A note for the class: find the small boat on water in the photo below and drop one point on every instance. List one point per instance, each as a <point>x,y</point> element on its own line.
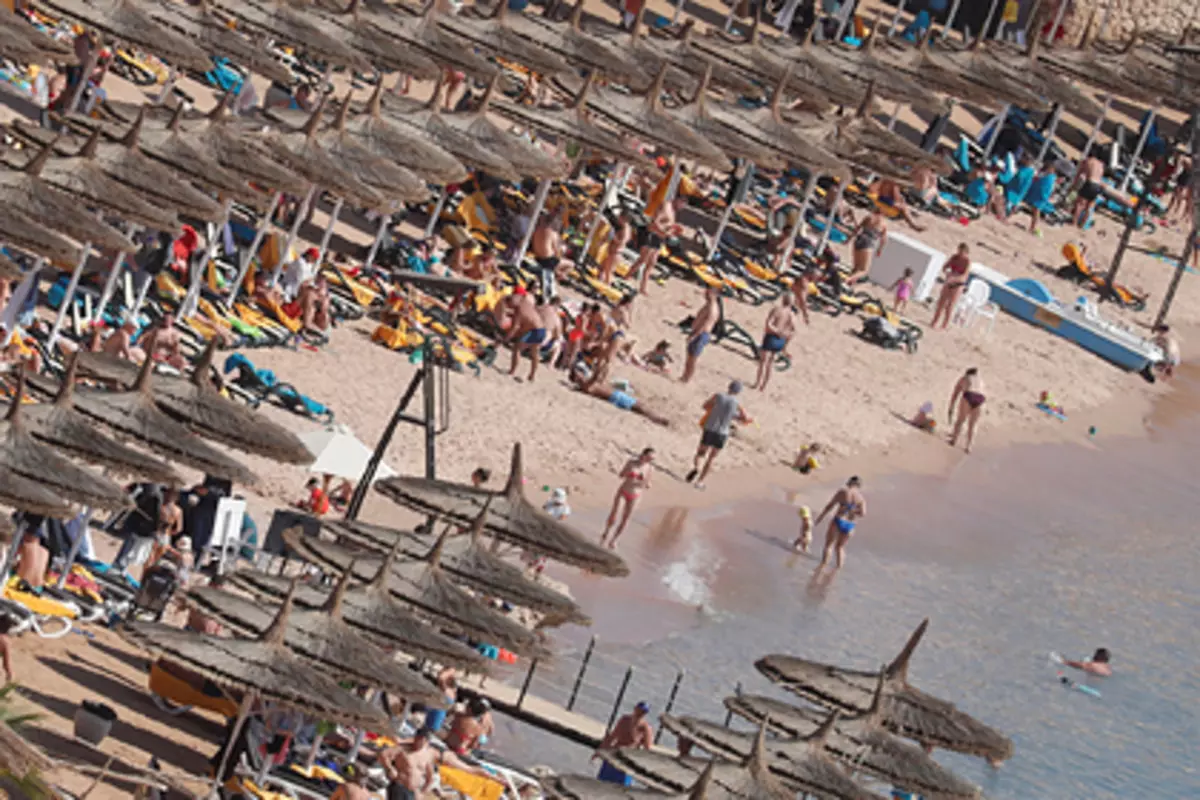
<point>1080,322</point>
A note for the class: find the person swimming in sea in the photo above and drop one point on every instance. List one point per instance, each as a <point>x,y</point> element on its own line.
<point>1098,665</point>
<point>851,506</point>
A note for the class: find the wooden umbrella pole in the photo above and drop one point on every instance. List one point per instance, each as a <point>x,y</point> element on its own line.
<point>539,201</point>
<point>374,251</point>
<point>1137,151</point>
<point>325,237</point>
<point>294,233</point>
<point>1190,247</point>
<point>250,253</point>
<point>829,223</point>
<point>67,297</point>
<point>188,307</point>
<point>227,753</point>
<point>431,226</point>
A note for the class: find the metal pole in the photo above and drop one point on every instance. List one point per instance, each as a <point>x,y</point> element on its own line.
<point>1137,151</point>
<point>673,186</point>
<point>1001,121</point>
<point>368,476</point>
<point>110,285</point>
<point>528,680</point>
<point>141,296</point>
<point>847,10</point>
<point>670,702</point>
<point>611,186</point>
<point>188,306</point>
<point>1091,140</point>
<point>723,223</point>
<point>1058,18</point>
<point>374,251</point>
<point>1135,214</point>
<point>83,518</point>
<point>16,299</point>
<point>361,735</point>
<point>249,255</point>
<point>809,189</point>
<point>429,392</point>
<point>583,665</point>
<point>539,201</point>
<point>678,11</point>
<point>837,202</point>
<point>896,17</point>
<point>67,297</point>
<point>988,22</point>
<point>239,723</point>
<point>301,213</point>
<point>612,717</point>
<point>333,218</point>
<point>1049,134</point>
<point>431,226</point>
<point>949,26</point>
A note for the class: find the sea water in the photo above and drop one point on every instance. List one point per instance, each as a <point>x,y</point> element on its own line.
<point>1016,553</point>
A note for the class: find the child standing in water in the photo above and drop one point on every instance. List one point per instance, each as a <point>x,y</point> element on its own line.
<point>806,528</point>
<point>903,290</point>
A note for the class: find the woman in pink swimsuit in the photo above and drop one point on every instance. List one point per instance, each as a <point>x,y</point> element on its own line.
<point>635,478</point>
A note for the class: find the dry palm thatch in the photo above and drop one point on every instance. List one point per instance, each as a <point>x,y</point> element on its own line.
<point>579,48</point>
<point>382,51</point>
<point>403,144</point>
<point>1104,72</point>
<point>422,33</point>
<point>264,666</point>
<point>124,163</point>
<point>510,517</point>
<point>424,586</point>
<point>134,413</point>
<point>26,193</point>
<point>859,742</point>
<point>82,178</point>
<point>499,34</point>
<point>372,610</point>
<point>290,22</point>
<point>1034,73</point>
<point>31,46</point>
<point>393,183</point>
<point>26,233</point>
<point>130,21</point>
<point>29,458</point>
<point>750,779</point>
<point>865,66</point>
<point>643,116</point>
<point>818,68</point>
<point>904,708</point>
<point>579,787</point>
<point>323,637</point>
<point>58,424</point>
<point>978,65</point>
<point>18,757</point>
<point>9,271</point>
<point>940,74</point>
<point>26,495</point>
<point>198,24</point>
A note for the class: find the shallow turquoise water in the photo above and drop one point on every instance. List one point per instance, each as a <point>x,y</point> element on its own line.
<point>1018,553</point>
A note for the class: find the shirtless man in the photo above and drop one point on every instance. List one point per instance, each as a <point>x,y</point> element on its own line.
<point>631,730</point>
<point>483,265</point>
<point>651,241</point>
<point>1098,665</point>
<point>547,252</point>
<point>780,327</point>
<point>701,333</point>
<point>851,507</point>
<point>891,195</point>
<point>1090,183</point>
<point>520,314</point>
<point>925,182</point>
<point>410,767</point>
<point>164,343</point>
<point>355,786</point>
<point>532,332</point>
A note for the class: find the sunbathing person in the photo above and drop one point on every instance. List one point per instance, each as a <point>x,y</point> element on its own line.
<point>925,184</point>
<point>164,343</point>
<point>618,396</point>
<point>314,305</point>
<point>889,193</point>
<point>120,343</point>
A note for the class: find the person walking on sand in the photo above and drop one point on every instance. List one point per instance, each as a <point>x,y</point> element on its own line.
<point>651,240</point>
<point>955,274</point>
<point>1090,183</point>
<point>544,328</point>
<point>968,399</point>
<point>701,332</point>
<point>547,252</point>
<point>851,506</point>
<point>631,730</point>
<point>720,411</point>
<point>635,478</point>
<point>777,334</point>
<point>867,243</point>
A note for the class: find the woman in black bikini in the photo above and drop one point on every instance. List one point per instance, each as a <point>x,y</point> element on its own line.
<point>968,399</point>
<point>869,238</point>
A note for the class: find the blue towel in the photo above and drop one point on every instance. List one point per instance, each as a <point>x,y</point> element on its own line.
<point>1016,189</point>
<point>977,193</point>
<point>1041,191</point>
<point>962,155</point>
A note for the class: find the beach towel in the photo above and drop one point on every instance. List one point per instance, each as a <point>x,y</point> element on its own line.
<point>1041,191</point>
<point>1016,189</point>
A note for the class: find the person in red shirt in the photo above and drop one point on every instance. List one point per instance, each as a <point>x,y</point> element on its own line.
<point>954,276</point>
<point>317,501</point>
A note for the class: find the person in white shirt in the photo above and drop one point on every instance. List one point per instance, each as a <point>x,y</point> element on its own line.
<point>298,272</point>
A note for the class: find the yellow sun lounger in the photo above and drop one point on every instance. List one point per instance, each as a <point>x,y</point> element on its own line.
<point>472,786</point>
<point>176,695</point>
<point>37,604</point>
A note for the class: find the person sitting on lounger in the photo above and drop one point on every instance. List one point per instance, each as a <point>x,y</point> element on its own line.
<point>164,343</point>
<point>889,193</point>
<point>619,395</point>
<point>314,305</point>
<point>1038,198</point>
<point>120,342</point>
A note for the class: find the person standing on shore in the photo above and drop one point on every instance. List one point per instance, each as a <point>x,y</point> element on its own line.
<point>635,478</point>
<point>720,411</point>
<point>851,506</point>
<point>777,334</point>
<point>968,399</point>
<point>955,274</point>
<point>631,730</point>
<point>701,333</point>
<point>410,767</point>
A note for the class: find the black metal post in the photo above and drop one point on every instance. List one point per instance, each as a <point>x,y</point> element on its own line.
<point>737,690</point>
<point>1131,225</point>
<point>670,702</point>
<point>528,680</point>
<point>430,397</point>
<point>583,665</point>
<point>612,717</point>
<point>1189,248</point>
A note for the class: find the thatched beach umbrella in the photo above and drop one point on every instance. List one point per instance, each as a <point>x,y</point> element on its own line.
<point>499,34</point>
<point>403,144</point>
<point>130,21</point>
<point>386,53</point>
<point>423,33</point>
<point>31,496</point>
<point>393,183</point>
<point>262,667</point>
<point>290,22</point>
<point>26,233</point>
<point>578,787</point>
<point>510,516</point>
<point>134,413</point>
<point>905,709</point>
<point>212,35</point>
<point>934,70</point>
<point>577,47</point>
<point>59,425</point>
<point>866,66</point>
<point>424,586</point>
<point>373,610</point>
<point>28,45</point>
<point>321,636</point>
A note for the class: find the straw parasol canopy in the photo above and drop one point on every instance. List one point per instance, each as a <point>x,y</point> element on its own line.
<point>26,193</point>
<point>134,413</point>
<point>264,666</point>
<point>21,42</point>
<point>937,71</point>
<point>18,756</point>
<point>749,779</point>
<point>904,708</point>
<point>26,233</point>
<point>978,65</point>
<point>1056,88</point>
<point>382,50</point>
<point>290,22</point>
<point>510,517</point>
<point>59,425</point>
<point>323,637</point>
<point>644,117</point>
<point>372,610</point>
<point>865,66</point>
<point>30,496</point>
<point>124,163</point>
<point>577,47</point>
<point>422,33</point>
<point>403,144</point>
<point>9,271</point>
<point>499,34</point>
<point>1105,72</point>
<point>212,35</point>
<point>130,21</point>
<point>393,183</point>
<point>424,586</point>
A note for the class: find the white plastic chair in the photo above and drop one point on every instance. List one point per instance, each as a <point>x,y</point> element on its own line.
<point>975,302</point>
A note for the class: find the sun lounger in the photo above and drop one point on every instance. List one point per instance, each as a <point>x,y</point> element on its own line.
<point>177,692</point>
<point>261,385</point>
<point>1079,271</point>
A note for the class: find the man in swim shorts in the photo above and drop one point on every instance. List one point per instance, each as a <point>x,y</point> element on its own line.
<point>1098,665</point>
<point>410,767</point>
<point>547,252</point>
<point>1090,183</point>
<point>851,506</point>
<point>547,332</point>
<point>631,730</point>
<point>701,332</point>
<point>780,327</point>
<point>720,411</point>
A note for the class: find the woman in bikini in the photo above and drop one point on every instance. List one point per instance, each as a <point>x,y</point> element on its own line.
<point>968,399</point>
<point>869,238</point>
<point>635,478</point>
<point>851,506</point>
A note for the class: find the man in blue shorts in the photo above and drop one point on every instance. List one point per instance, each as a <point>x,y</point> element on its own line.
<point>700,333</point>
